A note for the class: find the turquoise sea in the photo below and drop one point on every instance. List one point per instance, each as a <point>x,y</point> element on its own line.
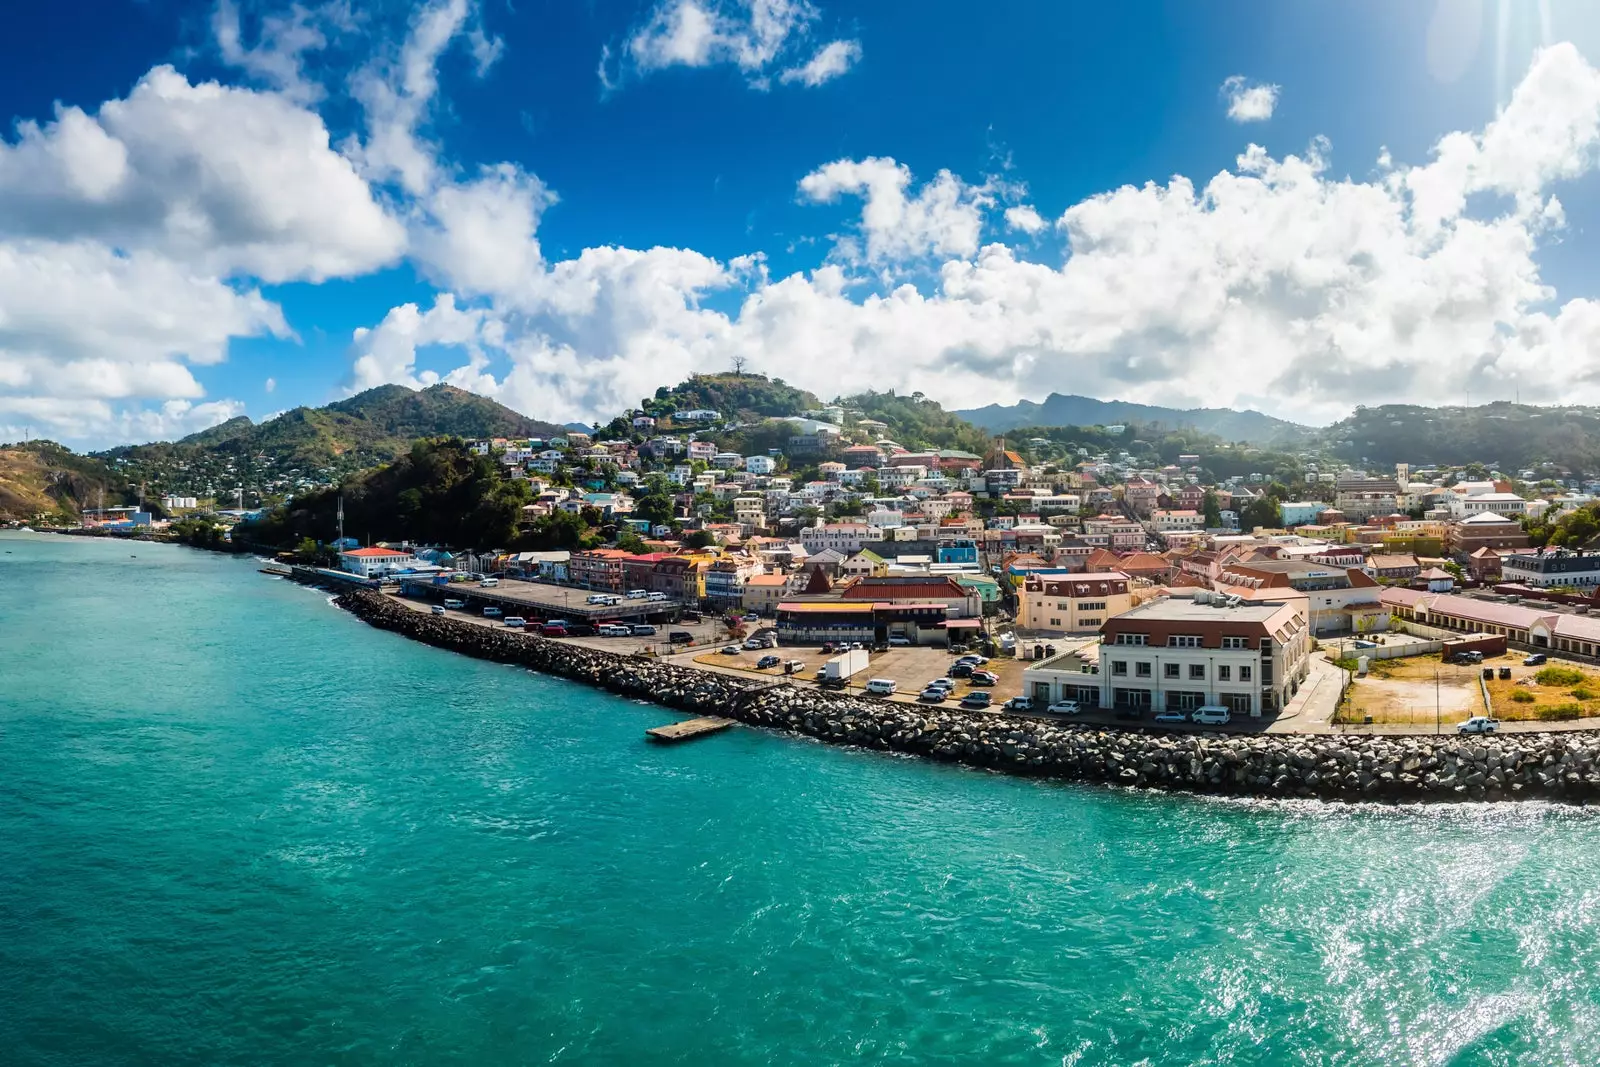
<point>239,827</point>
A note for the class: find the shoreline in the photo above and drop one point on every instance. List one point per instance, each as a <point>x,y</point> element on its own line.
<point>1390,769</point>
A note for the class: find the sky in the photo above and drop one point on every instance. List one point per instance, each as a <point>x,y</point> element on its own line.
<point>226,208</point>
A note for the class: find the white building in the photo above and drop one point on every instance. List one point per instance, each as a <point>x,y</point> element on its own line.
<point>760,464</point>
<point>371,562</point>
<point>843,537</point>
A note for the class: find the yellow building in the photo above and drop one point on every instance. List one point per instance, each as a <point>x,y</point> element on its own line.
<point>1078,603</point>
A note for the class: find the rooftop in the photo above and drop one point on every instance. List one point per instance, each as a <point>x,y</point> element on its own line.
<point>1187,609</point>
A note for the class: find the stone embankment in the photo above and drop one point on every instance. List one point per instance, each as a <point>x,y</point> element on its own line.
<point>1554,766</point>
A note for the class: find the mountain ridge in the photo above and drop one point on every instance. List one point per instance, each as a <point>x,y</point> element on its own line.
<point>1060,409</point>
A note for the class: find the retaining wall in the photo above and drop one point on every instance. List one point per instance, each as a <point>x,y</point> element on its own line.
<point>1557,766</point>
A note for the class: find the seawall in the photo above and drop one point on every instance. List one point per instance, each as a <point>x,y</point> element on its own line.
<point>1403,769</point>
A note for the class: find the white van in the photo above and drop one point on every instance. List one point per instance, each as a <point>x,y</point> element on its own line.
<point>516,621</point>
<point>638,594</point>
<point>656,596</point>
<point>881,687</point>
<point>1212,715</point>
<point>598,598</point>
<point>489,583</point>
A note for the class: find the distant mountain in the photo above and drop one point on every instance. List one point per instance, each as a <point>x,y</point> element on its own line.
<point>369,428</point>
<point>1061,410</point>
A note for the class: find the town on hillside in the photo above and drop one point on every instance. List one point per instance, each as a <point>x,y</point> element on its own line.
<point>849,523</point>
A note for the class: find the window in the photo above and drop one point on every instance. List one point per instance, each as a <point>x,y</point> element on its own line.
<point>1092,605</point>
<point>1225,673</point>
<point>1141,670</point>
<point>1169,670</point>
<point>1090,622</point>
<point>1244,674</point>
<point>1133,639</point>
<point>1185,641</point>
<point>1234,642</point>
<point>1119,667</point>
<point>1197,672</point>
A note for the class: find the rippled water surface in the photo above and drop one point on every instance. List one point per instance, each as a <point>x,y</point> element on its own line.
<point>238,826</point>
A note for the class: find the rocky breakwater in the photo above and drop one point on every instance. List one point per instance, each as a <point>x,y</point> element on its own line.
<point>1350,767</point>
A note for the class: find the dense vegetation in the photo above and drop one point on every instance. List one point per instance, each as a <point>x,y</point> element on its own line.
<point>917,422</point>
<point>1153,446</point>
<point>1508,436</point>
<point>369,428</point>
<point>437,493</point>
<point>736,396</point>
<point>1059,410</point>
<point>1575,529</point>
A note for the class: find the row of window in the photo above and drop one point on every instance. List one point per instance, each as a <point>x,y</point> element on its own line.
<point>1187,640</point>
<point>1197,671</point>
<point>1088,605</point>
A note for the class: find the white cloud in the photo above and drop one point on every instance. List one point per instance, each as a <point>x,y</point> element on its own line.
<point>480,235</point>
<point>1247,101</point>
<point>269,385</point>
<point>1273,285</point>
<point>1026,219</point>
<point>832,60</point>
<point>397,92</point>
<point>945,217</point>
<point>753,35</point>
<point>227,180</point>
<point>388,352</point>
<point>283,41</point>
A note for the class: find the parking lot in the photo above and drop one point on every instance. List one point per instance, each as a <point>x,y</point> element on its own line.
<point>911,669</point>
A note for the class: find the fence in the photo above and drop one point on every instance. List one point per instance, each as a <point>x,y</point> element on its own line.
<point>1347,650</point>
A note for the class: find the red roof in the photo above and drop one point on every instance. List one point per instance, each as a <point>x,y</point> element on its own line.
<point>375,552</point>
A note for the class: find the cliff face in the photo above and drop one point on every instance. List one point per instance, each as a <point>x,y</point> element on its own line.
<point>1550,766</point>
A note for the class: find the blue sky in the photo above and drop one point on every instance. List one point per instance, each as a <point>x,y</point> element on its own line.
<point>237,207</point>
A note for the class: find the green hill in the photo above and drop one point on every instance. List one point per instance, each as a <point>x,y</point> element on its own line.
<point>745,397</point>
<point>368,429</point>
<point>1502,434</point>
<point>918,423</point>
<point>1062,410</point>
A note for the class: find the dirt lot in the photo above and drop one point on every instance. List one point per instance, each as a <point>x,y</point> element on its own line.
<point>1572,688</point>
<point>912,668</point>
<point>1404,691</point>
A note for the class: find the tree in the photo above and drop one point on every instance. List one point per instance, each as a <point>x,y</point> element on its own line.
<point>699,539</point>
<point>1211,508</point>
<point>630,541</point>
<point>738,365</point>
<point>1262,511</point>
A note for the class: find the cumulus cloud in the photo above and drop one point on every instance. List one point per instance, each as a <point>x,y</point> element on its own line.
<point>1025,218</point>
<point>832,60</point>
<point>944,217</point>
<point>756,36</point>
<point>1273,284</point>
<point>283,41</point>
<point>1249,101</point>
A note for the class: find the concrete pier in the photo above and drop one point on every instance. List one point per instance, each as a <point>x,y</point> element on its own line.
<point>688,729</point>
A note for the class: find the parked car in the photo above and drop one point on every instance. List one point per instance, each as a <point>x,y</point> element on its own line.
<point>960,670</point>
<point>934,695</point>
<point>730,650</point>
<point>1064,707</point>
<point>516,622</point>
<point>974,659</point>
<point>1212,715</point>
<point>976,701</point>
<point>881,687</point>
<point>580,629</point>
<point>612,629</point>
<point>656,596</point>
<point>489,583</point>
<point>1019,704</point>
<point>492,612</point>
<point>794,666</point>
<point>437,610</point>
<point>638,594</point>
<point>1172,716</point>
<point>1479,724</point>
<point>942,683</point>
<point>956,649</point>
<point>767,661</point>
<point>454,604</point>
<point>754,643</point>
<point>1472,658</point>
<point>899,640</point>
<point>750,616</point>
<point>1535,660</point>
<point>553,629</point>
<point>984,678</point>
<point>680,637</point>
<point>642,630</point>
<point>827,646</point>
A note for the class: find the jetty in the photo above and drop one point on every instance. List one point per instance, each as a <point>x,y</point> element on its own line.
<point>688,729</point>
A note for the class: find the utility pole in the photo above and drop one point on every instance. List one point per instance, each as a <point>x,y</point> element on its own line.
<point>341,518</point>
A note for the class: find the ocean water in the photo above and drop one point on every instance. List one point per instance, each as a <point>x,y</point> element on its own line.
<point>239,827</point>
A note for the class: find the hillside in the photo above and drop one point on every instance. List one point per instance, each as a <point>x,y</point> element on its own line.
<point>43,478</point>
<point>368,429</point>
<point>744,397</point>
<point>1061,410</point>
<point>917,423</point>
<point>1504,435</point>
